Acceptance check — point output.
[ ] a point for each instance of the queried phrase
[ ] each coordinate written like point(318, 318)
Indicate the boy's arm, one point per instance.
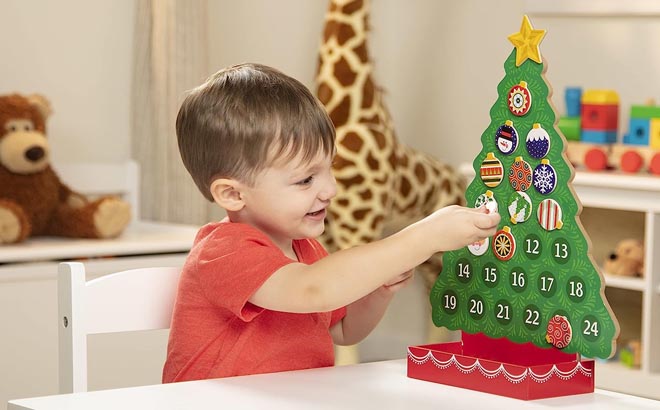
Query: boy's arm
point(346, 276)
point(364, 314)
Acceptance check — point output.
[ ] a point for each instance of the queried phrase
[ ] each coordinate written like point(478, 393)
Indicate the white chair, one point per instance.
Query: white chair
point(136, 299)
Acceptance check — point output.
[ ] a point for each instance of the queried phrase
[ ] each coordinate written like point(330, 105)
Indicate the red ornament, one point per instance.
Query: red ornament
point(520, 99)
point(504, 244)
point(559, 332)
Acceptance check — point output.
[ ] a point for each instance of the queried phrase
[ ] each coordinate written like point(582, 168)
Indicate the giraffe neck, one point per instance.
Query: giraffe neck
point(344, 78)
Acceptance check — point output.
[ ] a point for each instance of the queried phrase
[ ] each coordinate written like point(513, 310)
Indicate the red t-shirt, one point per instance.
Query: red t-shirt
point(216, 332)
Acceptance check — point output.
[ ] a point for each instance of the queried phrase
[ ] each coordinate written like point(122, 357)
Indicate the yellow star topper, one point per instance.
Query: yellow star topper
point(527, 42)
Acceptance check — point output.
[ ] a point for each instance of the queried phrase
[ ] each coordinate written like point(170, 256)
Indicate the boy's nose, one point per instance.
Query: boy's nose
point(329, 190)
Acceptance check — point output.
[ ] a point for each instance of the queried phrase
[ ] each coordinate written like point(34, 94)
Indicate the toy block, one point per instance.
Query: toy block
point(638, 132)
point(654, 133)
point(645, 111)
point(600, 137)
point(600, 117)
point(600, 97)
point(570, 127)
point(573, 95)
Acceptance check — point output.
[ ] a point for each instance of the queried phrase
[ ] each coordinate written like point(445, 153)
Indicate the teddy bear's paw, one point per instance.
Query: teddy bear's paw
point(10, 226)
point(111, 217)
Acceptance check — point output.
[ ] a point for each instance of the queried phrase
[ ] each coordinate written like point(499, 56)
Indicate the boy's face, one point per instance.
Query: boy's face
point(289, 201)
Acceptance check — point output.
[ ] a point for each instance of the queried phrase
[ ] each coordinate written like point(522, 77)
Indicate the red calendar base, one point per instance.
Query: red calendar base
point(498, 366)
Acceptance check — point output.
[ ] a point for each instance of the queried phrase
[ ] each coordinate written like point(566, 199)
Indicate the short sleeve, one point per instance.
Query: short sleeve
point(337, 316)
point(233, 262)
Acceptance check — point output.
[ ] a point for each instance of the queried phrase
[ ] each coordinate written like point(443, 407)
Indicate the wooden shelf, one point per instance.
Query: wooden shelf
point(617, 377)
point(624, 282)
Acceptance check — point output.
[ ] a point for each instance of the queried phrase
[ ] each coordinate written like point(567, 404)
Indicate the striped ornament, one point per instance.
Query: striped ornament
point(550, 215)
point(491, 171)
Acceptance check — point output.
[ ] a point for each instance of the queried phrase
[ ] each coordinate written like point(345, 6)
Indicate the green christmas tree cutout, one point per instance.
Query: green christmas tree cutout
point(534, 280)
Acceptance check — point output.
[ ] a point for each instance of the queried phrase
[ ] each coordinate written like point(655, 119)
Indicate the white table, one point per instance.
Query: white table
point(379, 385)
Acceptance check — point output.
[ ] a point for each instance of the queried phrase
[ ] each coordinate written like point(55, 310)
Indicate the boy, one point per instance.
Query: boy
point(258, 293)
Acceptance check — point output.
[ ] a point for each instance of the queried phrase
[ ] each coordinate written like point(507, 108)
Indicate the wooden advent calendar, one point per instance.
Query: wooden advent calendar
point(530, 300)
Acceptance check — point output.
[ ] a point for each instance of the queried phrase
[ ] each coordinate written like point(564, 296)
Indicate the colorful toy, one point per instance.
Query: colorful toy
point(630, 355)
point(532, 302)
point(627, 259)
point(33, 201)
point(593, 135)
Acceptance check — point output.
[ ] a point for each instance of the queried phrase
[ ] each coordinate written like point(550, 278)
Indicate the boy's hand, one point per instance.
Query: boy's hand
point(455, 226)
point(399, 282)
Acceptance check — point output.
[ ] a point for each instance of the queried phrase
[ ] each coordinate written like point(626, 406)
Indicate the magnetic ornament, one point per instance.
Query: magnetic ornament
point(519, 99)
point(491, 171)
point(506, 138)
point(545, 177)
point(559, 332)
point(538, 142)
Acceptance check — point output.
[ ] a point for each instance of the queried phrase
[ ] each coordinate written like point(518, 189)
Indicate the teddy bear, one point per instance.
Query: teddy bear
point(33, 200)
point(627, 259)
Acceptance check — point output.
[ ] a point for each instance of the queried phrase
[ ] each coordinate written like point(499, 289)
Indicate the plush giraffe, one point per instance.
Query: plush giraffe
point(382, 185)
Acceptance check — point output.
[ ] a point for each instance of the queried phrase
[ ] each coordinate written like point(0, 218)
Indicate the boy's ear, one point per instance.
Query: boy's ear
point(226, 193)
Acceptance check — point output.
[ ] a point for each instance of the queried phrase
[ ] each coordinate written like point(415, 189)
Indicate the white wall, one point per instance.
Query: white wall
point(78, 54)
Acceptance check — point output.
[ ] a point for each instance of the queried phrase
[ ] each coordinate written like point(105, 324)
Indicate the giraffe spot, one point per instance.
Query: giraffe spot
point(384, 199)
point(330, 28)
point(339, 115)
point(405, 187)
point(342, 202)
point(392, 159)
point(324, 93)
point(362, 53)
point(445, 186)
point(372, 162)
point(352, 142)
point(352, 7)
point(420, 173)
point(368, 91)
point(359, 214)
point(349, 228)
point(403, 161)
point(376, 222)
point(349, 182)
point(428, 199)
point(366, 195)
point(366, 239)
point(381, 141)
point(413, 204)
point(382, 180)
point(344, 33)
point(343, 72)
point(333, 214)
point(340, 163)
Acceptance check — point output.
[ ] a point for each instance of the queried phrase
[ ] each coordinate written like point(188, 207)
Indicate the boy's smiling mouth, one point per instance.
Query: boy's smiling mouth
point(320, 212)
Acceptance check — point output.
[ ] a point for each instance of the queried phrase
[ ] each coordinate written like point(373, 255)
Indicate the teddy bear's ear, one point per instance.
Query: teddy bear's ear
point(41, 103)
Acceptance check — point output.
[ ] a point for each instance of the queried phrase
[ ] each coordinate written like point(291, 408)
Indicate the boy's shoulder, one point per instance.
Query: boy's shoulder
point(226, 228)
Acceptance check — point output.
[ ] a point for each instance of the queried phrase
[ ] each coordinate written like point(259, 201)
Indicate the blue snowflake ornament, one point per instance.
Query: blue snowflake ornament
point(544, 178)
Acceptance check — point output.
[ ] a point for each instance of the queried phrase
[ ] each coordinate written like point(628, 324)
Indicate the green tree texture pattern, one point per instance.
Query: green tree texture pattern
point(535, 267)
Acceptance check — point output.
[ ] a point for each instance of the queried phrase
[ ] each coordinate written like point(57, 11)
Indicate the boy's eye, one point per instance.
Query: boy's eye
point(306, 181)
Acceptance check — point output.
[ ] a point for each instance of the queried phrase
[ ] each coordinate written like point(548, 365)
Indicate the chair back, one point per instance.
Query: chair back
point(131, 300)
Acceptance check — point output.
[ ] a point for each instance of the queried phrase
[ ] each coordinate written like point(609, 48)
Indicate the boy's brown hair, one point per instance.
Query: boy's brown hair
point(245, 118)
